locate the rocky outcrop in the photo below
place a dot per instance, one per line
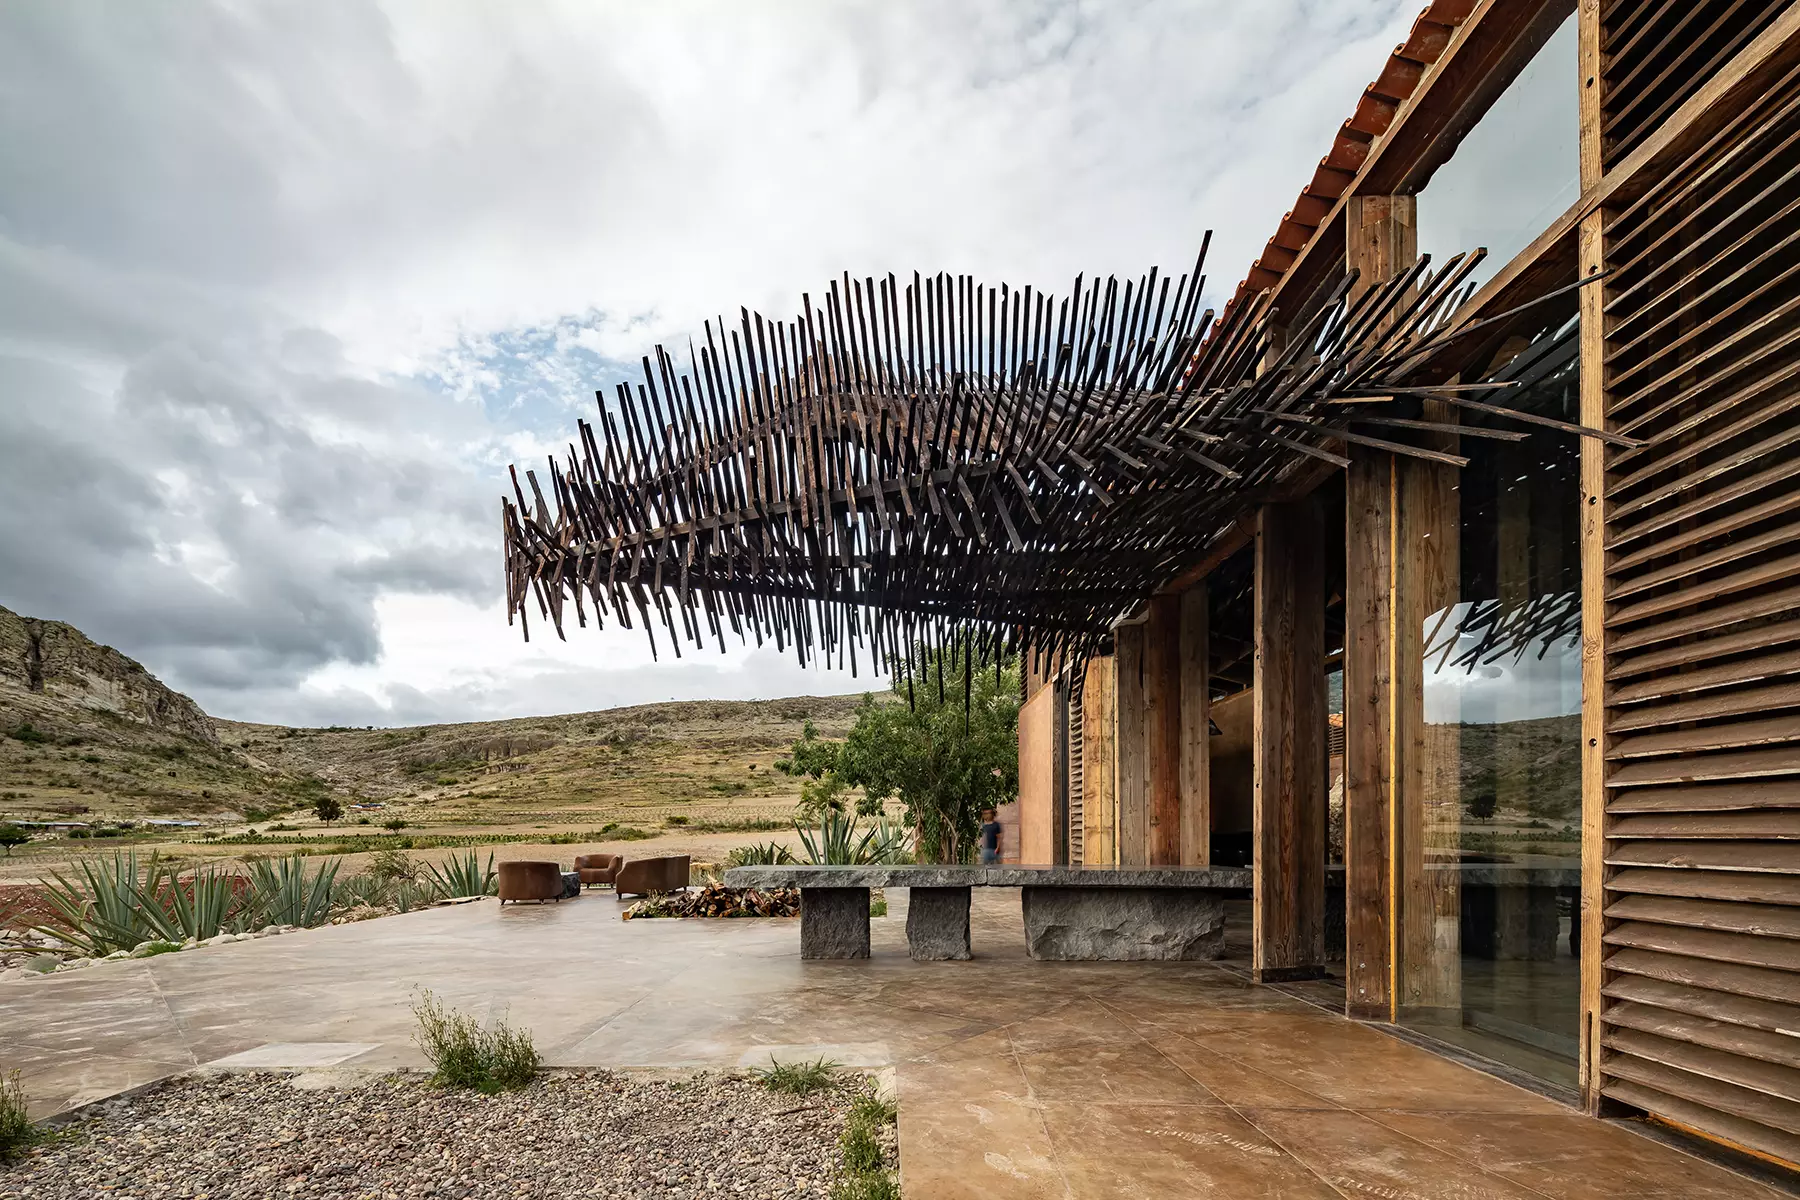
(48, 665)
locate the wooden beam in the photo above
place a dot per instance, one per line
(1488, 50)
(1196, 731)
(1383, 234)
(1133, 771)
(1288, 744)
(1162, 730)
(1099, 772)
(1370, 955)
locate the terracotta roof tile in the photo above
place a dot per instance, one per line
(1381, 100)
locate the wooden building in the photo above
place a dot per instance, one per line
(1453, 593)
(1514, 746)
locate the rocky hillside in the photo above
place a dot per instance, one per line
(88, 734)
(52, 675)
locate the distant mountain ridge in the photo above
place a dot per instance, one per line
(48, 668)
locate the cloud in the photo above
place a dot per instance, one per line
(284, 287)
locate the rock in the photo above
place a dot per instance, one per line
(43, 964)
(222, 939)
(76, 964)
(150, 949)
(1122, 924)
(937, 923)
(142, 946)
(834, 922)
(116, 955)
(189, 943)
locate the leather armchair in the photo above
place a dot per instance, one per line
(530, 881)
(643, 876)
(598, 870)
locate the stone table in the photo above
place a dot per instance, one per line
(1071, 913)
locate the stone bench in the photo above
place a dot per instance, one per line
(1114, 914)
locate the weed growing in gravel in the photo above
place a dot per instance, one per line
(465, 1054)
(18, 1132)
(796, 1078)
(864, 1174)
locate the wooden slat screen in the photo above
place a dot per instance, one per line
(1700, 1022)
(1660, 52)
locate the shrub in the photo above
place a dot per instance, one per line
(798, 1079)
(759, 854)
(838, 846)
(25, 733)
(864, 1174)
(464, 1054)
(394, 864)
(18, 1132)
(116, 905)
(12, 835)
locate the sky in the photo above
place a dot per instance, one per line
(284, 287)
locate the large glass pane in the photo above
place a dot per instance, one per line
(1516, 171)
(1489, 952)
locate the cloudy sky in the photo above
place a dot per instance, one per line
(284, 286)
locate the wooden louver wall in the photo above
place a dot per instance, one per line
(1700, 1011)
(1660, 52)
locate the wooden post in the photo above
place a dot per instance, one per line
(1288, 744)
(1099, 772)
(1381, 239)
(1369, 927)
(1133, 777)
(1162, 729)
(1196, 730)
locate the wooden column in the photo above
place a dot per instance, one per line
(1099, 772)
(1381, 239)
(1196, 730)
(1162, 729)
(1288, 744)
(1133, 775)
(1369, 926)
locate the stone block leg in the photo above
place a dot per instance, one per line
(834, 922)
(1123, 924)
(937, 923)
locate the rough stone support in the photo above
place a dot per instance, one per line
(1123, 924)
(937, 923)
(834, 922)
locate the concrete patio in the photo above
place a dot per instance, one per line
(1016, 1078)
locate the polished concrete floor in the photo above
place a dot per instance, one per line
(1016, 1078)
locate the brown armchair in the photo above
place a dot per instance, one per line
(598, 870)
(642, 876)
(530, 881)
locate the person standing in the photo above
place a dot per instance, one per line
(990, 836)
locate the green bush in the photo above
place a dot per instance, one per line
(18, 1132)
(759, 854)
(462, 875)
(283, 893)
(114, 904)
(464, 1054)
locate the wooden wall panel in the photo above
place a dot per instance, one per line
(1037, 776)
(1196, 731)
(1288, 941)
(1099, 774)
(1131, 751)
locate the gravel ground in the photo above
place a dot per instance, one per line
(570, 1134)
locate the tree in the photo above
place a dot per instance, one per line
(12, 835)
(823, 789)
(328, 808)
(947, 746)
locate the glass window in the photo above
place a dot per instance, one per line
(1489, 952)
(1516, 171)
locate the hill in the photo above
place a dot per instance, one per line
(87, 734)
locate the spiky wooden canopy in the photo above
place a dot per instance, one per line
(947, 460)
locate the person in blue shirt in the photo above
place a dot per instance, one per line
(990, 836)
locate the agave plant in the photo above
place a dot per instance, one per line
(282, 892)
(461, 875)
(116, 904)
(760, 854)
(839, 846)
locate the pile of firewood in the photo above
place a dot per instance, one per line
(717, 900)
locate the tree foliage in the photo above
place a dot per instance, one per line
(328, 808)
(12, 835)
(948, 747)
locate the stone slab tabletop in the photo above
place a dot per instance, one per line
(999, 875)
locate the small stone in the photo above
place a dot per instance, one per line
(222, 939)
(75, 964)
(116, 955)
